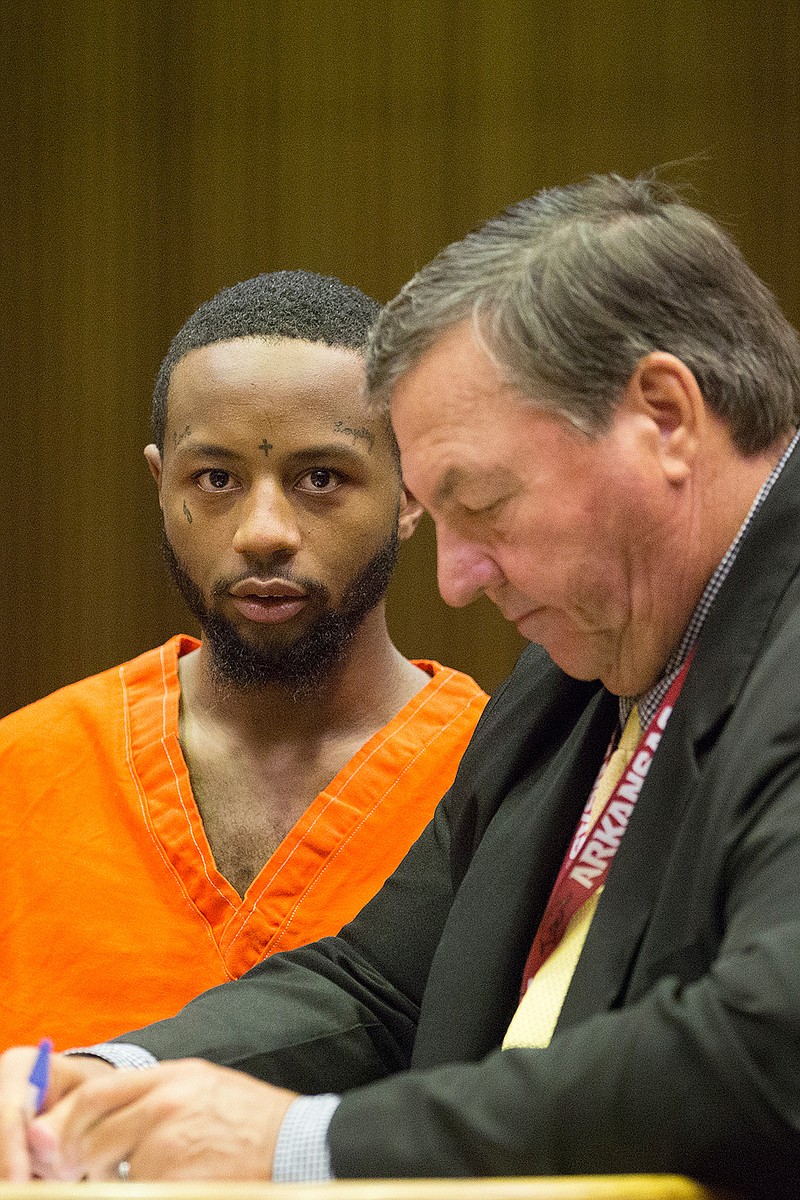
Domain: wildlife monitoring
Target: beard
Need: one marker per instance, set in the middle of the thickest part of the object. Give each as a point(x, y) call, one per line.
point(302, 665)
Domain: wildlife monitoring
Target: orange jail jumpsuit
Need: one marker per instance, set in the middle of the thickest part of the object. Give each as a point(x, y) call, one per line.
point(112, 912)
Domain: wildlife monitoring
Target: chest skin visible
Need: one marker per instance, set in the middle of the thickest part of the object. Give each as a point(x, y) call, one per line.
point(248, 803)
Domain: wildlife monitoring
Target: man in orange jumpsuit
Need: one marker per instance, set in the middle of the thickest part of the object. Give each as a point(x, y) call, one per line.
point(168, 823)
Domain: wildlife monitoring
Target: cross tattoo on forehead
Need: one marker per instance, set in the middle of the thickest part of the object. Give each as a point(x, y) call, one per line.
point(265, 446)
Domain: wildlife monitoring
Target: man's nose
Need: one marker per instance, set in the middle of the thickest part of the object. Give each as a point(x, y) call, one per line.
point(465, 570)
point(268, 522)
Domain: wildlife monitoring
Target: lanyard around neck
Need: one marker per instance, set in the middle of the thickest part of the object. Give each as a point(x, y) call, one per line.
point(593, 847)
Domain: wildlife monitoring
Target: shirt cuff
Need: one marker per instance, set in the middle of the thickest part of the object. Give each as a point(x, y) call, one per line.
point(119, 1054)
point(301, 1152)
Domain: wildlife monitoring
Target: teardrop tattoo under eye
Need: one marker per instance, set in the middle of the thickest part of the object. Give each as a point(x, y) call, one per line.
point(186, 512)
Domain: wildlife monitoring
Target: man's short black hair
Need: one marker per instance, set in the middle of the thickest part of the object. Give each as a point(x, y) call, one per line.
point(281, 304)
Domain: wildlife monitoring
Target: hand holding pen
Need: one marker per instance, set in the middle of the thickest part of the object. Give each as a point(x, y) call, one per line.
point(33, 1081)
point(25, 1075)
point(40, 1077)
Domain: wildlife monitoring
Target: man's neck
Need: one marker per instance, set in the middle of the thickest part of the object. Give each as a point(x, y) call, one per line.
point(257, 758)
point(362, 692)
point(721, 507)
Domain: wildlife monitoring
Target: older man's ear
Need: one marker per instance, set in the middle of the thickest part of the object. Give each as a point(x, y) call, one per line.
point(410, 512)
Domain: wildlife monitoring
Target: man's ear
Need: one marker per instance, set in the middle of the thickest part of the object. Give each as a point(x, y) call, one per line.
point(665, 391)
point(410, 512)
point(152, 456)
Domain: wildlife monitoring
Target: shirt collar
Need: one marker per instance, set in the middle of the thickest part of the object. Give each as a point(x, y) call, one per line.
point(650, 700)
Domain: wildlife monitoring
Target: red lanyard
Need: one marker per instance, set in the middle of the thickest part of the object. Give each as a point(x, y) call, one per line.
point(590, 855)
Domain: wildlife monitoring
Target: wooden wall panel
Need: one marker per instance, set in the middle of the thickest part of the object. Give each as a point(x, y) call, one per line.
point(155, 152)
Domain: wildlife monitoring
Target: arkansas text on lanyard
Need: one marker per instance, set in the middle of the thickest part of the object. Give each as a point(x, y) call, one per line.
point(588, 860)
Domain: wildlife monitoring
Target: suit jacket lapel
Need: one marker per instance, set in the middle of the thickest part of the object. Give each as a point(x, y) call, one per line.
point(474, 982)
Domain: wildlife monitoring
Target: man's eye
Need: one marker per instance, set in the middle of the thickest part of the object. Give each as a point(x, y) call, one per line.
point(215, 480)
point(321, 480)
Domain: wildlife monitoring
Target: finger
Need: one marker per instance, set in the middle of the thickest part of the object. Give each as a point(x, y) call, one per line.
point(117, 1137)
point(206, 1123)
point(15, 1111)
point(15, 1070)
point(107, 1124)
point(65, 1073)
point(15, 1164)
point(77, 1138)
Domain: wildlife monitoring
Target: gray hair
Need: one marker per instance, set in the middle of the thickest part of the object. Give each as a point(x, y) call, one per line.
point(568, 290)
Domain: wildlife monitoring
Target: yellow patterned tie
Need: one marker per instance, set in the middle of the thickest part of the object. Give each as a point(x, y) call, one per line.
point(535, 1019)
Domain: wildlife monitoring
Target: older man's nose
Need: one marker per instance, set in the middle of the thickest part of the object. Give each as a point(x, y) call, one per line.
point(465, 570)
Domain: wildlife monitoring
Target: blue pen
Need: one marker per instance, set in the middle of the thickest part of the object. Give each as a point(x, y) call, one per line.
point(41, 1073)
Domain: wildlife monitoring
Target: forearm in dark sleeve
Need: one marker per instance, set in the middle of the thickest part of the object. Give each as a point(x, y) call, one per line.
point(335, 1014)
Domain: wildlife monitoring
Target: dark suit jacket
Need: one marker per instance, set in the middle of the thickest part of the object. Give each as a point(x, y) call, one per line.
point(678, 1047)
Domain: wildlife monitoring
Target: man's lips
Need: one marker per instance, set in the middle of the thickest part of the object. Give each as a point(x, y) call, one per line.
point(267, 601)
point(267, 589)
point(514, 618)
point(527, 622)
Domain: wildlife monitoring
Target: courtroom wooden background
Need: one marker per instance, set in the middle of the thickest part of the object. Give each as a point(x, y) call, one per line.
point(157, 150)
